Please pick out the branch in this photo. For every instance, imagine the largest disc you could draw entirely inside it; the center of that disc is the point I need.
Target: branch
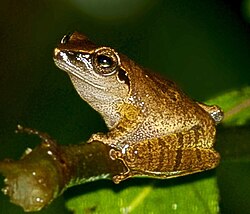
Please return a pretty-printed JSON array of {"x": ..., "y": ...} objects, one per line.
[{"x": 42, "y": 174}]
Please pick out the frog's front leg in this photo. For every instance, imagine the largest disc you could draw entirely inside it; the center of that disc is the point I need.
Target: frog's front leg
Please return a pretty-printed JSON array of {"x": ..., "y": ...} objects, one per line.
[{"x": 131, "y": 117}]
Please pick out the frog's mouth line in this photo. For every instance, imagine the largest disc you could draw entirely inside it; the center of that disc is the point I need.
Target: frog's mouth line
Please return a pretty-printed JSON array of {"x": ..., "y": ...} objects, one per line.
[{"x": 70, "y": 69}]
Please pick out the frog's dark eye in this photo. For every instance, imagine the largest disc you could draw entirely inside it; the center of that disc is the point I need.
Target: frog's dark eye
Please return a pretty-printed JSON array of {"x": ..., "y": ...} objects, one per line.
[
  {"x": 66, "y": 38},
  {"x": 105, "y": 61}
]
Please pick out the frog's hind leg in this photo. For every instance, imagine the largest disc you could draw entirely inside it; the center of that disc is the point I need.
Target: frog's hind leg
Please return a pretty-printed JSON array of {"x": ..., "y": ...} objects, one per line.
[
  {"x": 184, "y": 162},
  {"x": 188, "y": 161}
]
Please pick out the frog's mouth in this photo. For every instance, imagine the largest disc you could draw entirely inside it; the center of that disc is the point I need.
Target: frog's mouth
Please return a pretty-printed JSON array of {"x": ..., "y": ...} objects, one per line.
[{"x": 63, "y": 62}]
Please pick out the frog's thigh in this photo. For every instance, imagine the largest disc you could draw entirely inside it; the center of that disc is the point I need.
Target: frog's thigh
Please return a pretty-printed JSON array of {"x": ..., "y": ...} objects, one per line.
[
  {"x": 175, "y": 163},
  {"x": 170, "y": 161},
  {"x": 191, "y": 160},
  {"x": 187, "y": 161}
]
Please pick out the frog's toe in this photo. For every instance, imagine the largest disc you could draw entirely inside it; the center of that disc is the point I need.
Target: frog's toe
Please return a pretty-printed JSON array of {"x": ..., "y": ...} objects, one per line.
[
  {"x": 98, "y": 137},
  {"x": 114, "y": 154},
  {"x": 121, "y": 177}
]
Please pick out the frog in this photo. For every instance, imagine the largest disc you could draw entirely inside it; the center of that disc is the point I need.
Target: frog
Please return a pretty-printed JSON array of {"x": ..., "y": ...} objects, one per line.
[{"x": 154, "y": 128}]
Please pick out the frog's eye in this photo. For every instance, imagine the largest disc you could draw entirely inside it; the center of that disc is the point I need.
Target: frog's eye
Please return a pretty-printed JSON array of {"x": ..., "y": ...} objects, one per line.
[{"x": 105, "y": 61}]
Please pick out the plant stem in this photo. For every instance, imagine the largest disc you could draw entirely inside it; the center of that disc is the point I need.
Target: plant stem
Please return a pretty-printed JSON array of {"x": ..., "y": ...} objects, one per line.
[{"x": 43, "y": 173}]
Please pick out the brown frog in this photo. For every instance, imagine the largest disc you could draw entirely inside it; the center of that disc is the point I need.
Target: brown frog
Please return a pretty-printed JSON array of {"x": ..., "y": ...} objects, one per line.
[{"x": 154, "y": 128}]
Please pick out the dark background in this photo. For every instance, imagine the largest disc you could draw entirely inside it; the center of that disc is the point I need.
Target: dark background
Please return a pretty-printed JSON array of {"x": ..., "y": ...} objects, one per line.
[{"x": 202, "y": 45}]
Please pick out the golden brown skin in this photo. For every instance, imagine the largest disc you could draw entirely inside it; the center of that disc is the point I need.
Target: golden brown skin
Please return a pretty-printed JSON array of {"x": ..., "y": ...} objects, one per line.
[{"x": 154, "y": 128}]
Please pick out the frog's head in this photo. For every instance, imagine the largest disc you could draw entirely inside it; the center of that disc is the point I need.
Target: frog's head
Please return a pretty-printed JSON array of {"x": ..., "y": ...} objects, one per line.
[{"x": 96, "y": 73}]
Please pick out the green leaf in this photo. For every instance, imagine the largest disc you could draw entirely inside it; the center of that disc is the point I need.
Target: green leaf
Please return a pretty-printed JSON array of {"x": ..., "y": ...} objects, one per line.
[
  {"x": 233, "y": 136},
  {"x": 233, "y": 145},
  {"x": 191, "y": 194}
]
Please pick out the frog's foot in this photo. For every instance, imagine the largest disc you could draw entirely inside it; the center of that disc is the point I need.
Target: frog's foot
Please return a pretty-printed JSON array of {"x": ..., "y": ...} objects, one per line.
[
  {"x": 98, "y": 137},
  {"x": 114, "y": 155},
  {"x": 215, "y": 111},
  {"x": 217, "y": 114},
  {"x": 104, "y": 138},
  {"x": 121, "y": 177}
]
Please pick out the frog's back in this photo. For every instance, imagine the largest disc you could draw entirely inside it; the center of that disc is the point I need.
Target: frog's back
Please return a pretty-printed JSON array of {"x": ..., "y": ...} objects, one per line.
[{"x": 167, "y": 110}]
